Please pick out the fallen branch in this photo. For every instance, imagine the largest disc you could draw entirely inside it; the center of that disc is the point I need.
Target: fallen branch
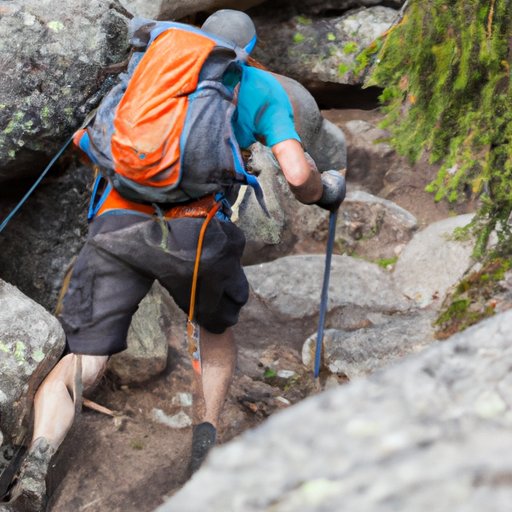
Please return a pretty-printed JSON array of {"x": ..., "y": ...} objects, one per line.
[{"x": 99, "y": 408}]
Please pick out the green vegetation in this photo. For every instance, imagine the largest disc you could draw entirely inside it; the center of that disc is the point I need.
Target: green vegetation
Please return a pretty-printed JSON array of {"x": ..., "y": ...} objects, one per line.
[
  {"x": 386, "y": 262},
  {"x": 298, "y": 38},
  {"x": 445, "y": 70},
  {"x": 446, "y": 73},
  {"x": 303, "y": 20},
  {"x": 342, "y": 69},
  {"x": 350, "y": 47},
  {"x": 473, "y": 299}
]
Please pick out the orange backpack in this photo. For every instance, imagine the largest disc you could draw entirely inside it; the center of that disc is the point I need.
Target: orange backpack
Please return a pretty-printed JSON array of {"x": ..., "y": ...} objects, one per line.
[{"x": 164, "y": 133}]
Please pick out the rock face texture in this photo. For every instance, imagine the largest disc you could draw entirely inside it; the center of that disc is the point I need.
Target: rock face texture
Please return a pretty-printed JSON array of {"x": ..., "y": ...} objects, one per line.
[
  {"x": 172, "y": 10},
  {"x": 429, "y": 434},
  {"x": 317, "y": 7},
  {"x": 324, "y": 49},
  {"x": 51, "y": 56},
  {"x": 433, "y": 261},
  {"x": 361, "y": 352},
  {"x": 285, "y": 294},
  {"x": 31, "y": 342},
  {"x": 148, "y": 340}
]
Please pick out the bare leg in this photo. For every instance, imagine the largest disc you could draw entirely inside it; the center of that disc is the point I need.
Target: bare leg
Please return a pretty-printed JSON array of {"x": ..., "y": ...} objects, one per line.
[
  {"x": 54, "y": 408},
  {"x": 218, "y": 360},
  {"x": 54, "y": 411}
]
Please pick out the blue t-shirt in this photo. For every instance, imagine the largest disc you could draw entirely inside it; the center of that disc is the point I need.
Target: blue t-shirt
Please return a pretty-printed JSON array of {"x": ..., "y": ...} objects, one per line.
[{"x": 264, "y": 112}]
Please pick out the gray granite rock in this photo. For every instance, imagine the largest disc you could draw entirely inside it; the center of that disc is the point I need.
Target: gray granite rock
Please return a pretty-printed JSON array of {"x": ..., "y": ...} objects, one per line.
[
  {"x": 373, "y": 227},
  {"x": 433, "y": 261},
  {"x": 31, "y": 342},
  {"x": 148, "y": 340},
  {"x": 175, "y": 10},
  {"x": 361, "y": 352},
  {"x": 317, "y": 7},
  {"x": 429, "y": 434},
  {"x": 285, "y": 296},
  {"x": 370, "y": 157},
  {"x": 52, "y": 54},
  {"x": 322, "y": 49}
]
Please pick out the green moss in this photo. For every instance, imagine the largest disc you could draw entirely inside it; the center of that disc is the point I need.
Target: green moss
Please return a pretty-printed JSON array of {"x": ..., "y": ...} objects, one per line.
[
  {"x": 298, "y": 38},
  {"x": 473, "y": 298},
  {"x": 331, "y": 37},
  {"x": 342, "y": 69},
  {"x": 303, "y": 20},
  {"x": 350, "y": 48},
  {"x": 386, "y": 262}
]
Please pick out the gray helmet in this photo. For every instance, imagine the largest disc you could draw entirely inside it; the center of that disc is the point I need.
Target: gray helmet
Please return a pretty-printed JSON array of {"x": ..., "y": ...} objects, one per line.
[{"x": 234, "y": 26}]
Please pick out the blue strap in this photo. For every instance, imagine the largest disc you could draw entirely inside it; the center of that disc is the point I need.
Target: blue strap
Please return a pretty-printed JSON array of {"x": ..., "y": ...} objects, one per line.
[
  {"x": 250, "y": 179},
  {"x": 94, "y": 205},
  {"x": 34, "y": 186}
]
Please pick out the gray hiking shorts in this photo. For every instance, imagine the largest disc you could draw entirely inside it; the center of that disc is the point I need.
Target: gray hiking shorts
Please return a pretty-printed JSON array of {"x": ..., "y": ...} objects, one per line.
[{"x": 122, "y": 257}]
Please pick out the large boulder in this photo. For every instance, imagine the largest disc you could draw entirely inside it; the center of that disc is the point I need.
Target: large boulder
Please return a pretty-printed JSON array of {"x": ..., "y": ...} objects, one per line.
[
  {"x": 31, "y": 342},
  {"x": 285, "y": 297},
  {"x": 368, "y": 226},
  {"x": 53, "y": 54},
  {"x": 324, "y": 50},
  {"x": 434, "y": 260},
  {"x": 41, "y": 240},
  {"x": 358, "y": 353},
  {"x": 172, "y": 10},
  {"x": 431, "y": 433}
]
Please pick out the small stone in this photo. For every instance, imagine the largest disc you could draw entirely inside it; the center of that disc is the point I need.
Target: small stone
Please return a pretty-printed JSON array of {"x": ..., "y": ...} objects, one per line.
[
  {"x": 490, "y": 405},
  {"x": 178, "y": 421},
  {"x": 286, "y": 374},
  {"x": 182, "y": 399}
]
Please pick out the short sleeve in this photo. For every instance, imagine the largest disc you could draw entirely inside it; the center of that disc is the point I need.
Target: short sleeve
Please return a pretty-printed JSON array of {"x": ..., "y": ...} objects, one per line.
[{"x": 265, "y": 112}]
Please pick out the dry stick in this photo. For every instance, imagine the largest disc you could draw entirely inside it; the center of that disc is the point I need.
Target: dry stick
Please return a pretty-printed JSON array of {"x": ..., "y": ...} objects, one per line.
[
  {"x": 489, "y": 19},
  {"x": 98, "y": 408}
]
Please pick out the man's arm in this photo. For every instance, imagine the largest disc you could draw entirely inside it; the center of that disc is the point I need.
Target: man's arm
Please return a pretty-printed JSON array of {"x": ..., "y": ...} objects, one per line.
[{"x": 299, "y": 170}]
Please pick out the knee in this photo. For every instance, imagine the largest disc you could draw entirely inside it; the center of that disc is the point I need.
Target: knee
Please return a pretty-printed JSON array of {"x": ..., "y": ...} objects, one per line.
[{"x": 93, "y": 368}]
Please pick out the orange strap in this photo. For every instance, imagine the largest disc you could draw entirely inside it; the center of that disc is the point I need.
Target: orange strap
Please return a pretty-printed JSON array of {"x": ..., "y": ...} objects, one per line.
[
  {"x": 192, "y": 335},
  {"x": 197, "y": 208}
]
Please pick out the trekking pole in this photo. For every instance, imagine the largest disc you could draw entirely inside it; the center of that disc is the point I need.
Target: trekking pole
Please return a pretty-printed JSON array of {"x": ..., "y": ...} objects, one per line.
[{"x": 325, "y": 289}]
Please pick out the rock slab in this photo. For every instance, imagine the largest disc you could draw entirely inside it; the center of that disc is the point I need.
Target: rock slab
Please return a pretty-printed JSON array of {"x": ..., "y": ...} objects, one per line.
[
  {"x": 31, "y": 342},
  {"x": 434, "y": 260},
  {"x": 431, "y": 434}
]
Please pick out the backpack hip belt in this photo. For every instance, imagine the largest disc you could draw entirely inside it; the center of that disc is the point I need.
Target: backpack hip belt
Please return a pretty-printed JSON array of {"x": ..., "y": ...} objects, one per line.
[{"x": 197, "y": 208}]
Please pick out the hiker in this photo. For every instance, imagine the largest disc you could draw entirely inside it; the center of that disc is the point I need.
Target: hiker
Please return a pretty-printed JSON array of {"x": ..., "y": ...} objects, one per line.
[{"x": 140, "y": 232}]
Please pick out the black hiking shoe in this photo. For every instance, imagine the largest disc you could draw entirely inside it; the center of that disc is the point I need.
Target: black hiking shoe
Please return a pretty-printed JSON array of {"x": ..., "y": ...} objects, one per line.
[
  {"x": 28, "y": 493},
  {"x": 203, "y": 438}
]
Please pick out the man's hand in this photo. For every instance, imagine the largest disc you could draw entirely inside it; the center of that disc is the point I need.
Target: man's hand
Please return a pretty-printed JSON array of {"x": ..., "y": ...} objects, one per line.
[{"x": 334, "y": 189}]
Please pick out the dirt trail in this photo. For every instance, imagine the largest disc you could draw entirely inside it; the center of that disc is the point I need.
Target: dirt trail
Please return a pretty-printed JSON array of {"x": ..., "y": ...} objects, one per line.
[{"x": 134, "y": 464}]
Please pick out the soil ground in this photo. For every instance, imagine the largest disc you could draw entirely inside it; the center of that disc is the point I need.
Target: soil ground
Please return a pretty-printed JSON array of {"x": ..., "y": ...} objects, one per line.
[{"x": 132, "y": 464}]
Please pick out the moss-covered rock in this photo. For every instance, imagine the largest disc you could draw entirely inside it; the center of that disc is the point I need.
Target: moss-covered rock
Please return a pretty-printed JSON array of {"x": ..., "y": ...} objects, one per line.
[
  {"x": 53, "y": 55},
  {"x": 31, "y": 342}
]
